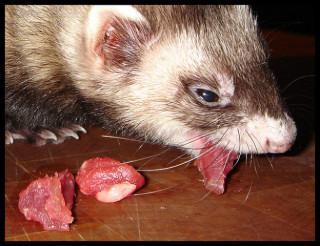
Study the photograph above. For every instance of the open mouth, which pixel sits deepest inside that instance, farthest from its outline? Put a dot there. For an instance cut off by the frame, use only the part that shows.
(214, 164)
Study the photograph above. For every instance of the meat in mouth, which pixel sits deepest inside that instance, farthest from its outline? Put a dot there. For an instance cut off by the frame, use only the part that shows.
(215, 163)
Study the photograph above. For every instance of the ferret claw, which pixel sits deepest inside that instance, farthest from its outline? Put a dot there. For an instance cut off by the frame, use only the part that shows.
(78, 128)
(11, 136)
(65, 132)
(18, 136)
(44, 136)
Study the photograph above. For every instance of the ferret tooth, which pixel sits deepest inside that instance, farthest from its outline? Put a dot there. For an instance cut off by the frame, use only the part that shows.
(45, 134)
(9, 138)
(65, 132)
(78, 128)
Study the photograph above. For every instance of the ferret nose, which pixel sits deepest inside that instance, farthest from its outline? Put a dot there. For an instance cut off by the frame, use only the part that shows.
(283, 141)
(274, 147)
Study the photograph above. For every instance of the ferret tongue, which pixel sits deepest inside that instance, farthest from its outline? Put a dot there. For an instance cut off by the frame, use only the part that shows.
(214, 164)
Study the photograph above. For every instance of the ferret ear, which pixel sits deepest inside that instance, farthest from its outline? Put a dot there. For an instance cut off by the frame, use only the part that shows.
(116, 34)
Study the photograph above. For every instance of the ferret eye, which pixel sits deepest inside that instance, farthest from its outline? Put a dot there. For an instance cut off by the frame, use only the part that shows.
(207, 95)
(204, 94)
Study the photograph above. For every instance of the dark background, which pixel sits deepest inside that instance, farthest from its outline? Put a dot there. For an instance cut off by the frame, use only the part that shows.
(298, 18)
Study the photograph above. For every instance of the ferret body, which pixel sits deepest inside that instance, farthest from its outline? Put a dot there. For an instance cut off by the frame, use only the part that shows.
(178, 75)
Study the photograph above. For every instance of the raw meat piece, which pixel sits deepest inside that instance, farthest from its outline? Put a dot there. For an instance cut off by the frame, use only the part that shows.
(214, 164)
(107, 179)
(49, 200)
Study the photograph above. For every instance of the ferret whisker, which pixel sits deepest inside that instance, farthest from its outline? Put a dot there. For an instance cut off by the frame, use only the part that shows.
(234, 165)
(174, 166)
(297, 79)
(252, 141)
(305, 106)
(180, 164)
(123, 138)
(255, 168)
(247, 154)
(180, 145)
(254, 165)
(261, 64)
(139, 148)
(216, 159)
(200, 137)
(195, 139)
(148, 161)
(304, 111)
(249, 191)
(216, 141)
(239, 150)
(178, 157)
(165, 168)
(153, 156)
(215, 120)
(146, 157)
(204, 196)
(156, 191)
(272, 158)
(162, 152)
(309, 97)
(262, 148)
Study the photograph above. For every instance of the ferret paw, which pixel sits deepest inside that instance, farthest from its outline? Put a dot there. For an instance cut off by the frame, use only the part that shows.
(44, 136)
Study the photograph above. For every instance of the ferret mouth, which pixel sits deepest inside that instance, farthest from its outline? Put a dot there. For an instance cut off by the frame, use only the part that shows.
(214, 163)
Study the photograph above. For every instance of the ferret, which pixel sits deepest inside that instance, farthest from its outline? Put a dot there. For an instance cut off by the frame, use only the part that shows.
(182, 76)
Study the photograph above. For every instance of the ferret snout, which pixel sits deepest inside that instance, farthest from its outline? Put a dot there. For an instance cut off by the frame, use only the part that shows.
(273, 135)
(283, 142)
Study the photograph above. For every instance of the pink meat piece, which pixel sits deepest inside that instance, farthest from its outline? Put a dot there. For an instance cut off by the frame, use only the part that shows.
(214, 164)
(108, 179)
(49, 200)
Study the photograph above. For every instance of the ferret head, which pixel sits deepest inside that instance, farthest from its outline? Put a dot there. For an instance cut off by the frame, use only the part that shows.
(185, 76)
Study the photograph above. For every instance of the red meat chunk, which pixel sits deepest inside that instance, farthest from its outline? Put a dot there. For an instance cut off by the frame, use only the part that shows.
(49, 200)
(107, 179)
(214, 164)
